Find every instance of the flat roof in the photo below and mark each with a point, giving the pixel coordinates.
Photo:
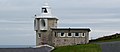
(69, 28)
(46, 17)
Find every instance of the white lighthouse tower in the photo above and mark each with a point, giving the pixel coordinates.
(43, 25)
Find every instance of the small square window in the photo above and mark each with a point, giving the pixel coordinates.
(39, 35)
(61, 34)
(55, 34)
(69, 34)
(44, 10)
(77, 35)
(83, 34)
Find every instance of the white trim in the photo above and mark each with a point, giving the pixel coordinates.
(36, 24)
(61, 34)
(41, 25)
(83, 34)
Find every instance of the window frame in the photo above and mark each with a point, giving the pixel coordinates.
(78, 34)
(69, 36)
(39, 35)
(60, 33)
(83, 34)
(36, 24)
(44, 10)
(55, 34)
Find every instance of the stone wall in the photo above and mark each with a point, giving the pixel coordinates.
(69, 41)
(63, 41)
(45, 34)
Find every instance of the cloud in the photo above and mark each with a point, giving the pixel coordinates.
(16, 27)
(88, 21)
(89, 3)
(18, 3)
(17, 40)
(17, 22)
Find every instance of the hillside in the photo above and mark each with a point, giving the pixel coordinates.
(114, 37)
(79, 48)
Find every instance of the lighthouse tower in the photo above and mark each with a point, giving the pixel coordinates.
(43, 25)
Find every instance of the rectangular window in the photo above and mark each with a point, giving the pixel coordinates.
(39, 35)
(77, 35)
(55, 34)
(61, 34)
(44, 10)
(69, 35)
(36, 24)
(83, 34)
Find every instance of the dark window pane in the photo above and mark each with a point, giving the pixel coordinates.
(83, 34)
(69, 34)
(39, 35)
(76, 34)
(44, 10)
(55, 34)
(62, 34)
(43, 23)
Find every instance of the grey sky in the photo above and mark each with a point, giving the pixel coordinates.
(16, 18)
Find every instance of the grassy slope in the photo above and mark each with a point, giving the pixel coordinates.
(88, 47)
(110, 40)
(79, 48)
(114, 37)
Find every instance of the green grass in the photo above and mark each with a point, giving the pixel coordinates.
(110, 40)
(79, 48)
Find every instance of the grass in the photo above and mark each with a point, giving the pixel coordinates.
(79, 48)
(88, 47)
(111, 38)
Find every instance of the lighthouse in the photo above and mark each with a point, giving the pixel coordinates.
(43, 25)
(47, 32)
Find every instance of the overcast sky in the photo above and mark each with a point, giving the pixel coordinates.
(16, 18)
